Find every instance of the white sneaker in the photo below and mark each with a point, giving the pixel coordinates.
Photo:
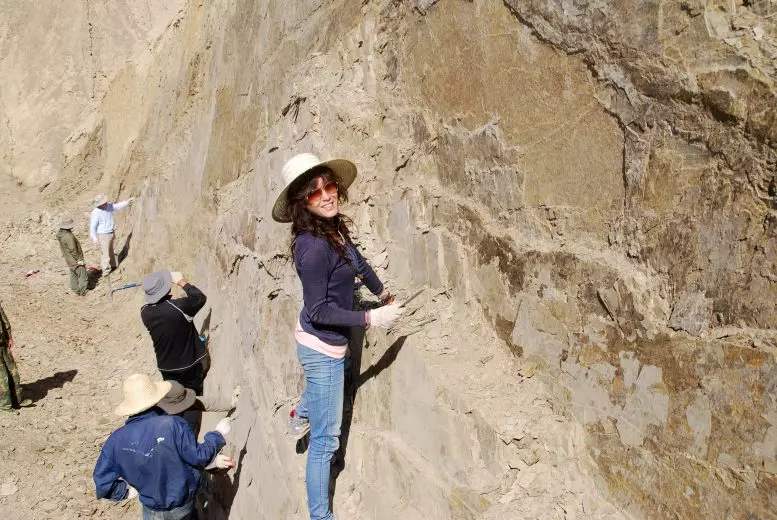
(297, 426)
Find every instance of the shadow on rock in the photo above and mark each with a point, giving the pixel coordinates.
(124, 250)
(353, 381)
(93, 276)
(40, 388)
(221, 491)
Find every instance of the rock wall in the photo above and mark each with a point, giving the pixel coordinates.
(585, 188)
(57, 59)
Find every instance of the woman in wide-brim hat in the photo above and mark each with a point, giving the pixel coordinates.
(327, 262)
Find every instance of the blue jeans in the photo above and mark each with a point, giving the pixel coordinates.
(322, 403)
(184, 512)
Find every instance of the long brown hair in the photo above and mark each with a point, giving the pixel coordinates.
(302, 220)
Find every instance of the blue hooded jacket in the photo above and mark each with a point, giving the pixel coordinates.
(156, 454)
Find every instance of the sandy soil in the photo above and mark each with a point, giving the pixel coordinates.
(72, 353)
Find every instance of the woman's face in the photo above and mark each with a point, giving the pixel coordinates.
(323, 198)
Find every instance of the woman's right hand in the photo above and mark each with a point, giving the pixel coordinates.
(386, 316)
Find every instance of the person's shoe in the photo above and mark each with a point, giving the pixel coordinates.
(26, 403)
(298, 426)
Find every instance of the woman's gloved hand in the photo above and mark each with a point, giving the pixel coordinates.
(385, 316)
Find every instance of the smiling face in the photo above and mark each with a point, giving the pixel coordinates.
(323, 197)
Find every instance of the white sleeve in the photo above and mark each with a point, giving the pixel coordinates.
(93, 226)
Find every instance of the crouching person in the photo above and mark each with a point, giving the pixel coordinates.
(155, 455)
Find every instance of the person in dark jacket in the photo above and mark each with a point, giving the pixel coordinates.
(177, 344)
(155, 455)
(327, 263)
(74, 257)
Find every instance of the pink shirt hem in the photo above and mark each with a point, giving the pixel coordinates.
(312, 342)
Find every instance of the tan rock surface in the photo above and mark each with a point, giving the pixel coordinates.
(58, 59)
(586, 190)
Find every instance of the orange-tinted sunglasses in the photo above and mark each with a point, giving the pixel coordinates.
(331, 189)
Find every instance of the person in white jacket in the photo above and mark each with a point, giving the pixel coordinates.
(101, 229)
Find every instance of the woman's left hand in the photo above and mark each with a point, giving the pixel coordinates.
(386, 297)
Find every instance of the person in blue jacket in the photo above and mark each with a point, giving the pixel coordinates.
(327, 262)
(154, 455)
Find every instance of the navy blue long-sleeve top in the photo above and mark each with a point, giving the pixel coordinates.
(156, 454)
(328, 283)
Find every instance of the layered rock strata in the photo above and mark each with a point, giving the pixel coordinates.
(585, 189)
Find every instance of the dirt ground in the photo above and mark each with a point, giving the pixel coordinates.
(72, 353)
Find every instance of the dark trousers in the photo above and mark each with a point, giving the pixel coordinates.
(79, 279)
(193, 378)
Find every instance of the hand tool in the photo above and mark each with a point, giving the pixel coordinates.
(125, 286)
(413, 297)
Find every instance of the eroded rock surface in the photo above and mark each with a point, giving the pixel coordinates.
(586, 190)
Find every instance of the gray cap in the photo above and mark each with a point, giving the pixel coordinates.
(157, 285)
(100, 200)
(67, 223)
(178, 399)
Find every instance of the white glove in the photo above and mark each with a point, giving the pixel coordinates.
(220, 462)
(80, 262)
(131, 492)
(177, 276)
(386, 316)
(224, 426)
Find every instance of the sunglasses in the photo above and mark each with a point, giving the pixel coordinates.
(315, 196)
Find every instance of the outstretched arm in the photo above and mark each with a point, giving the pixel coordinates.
(194, 301)
(192, 452)
(116, 206)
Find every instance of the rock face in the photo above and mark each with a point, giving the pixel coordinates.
(57, 62)
(587, 190)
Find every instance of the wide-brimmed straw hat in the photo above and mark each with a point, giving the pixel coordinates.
(67, 223)
(99, 200)
(140, 394)
(178, 399)
(298, 169)
(157, 285)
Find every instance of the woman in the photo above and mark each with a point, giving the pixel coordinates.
(327, 263)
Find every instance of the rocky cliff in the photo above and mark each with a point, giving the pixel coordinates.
(57, 59)
(587, 190)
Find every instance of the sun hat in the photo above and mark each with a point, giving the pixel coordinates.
(178, 399)
(157, 285)
(67, 223)
(100, 200)
(140, 394)
(295, 171)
